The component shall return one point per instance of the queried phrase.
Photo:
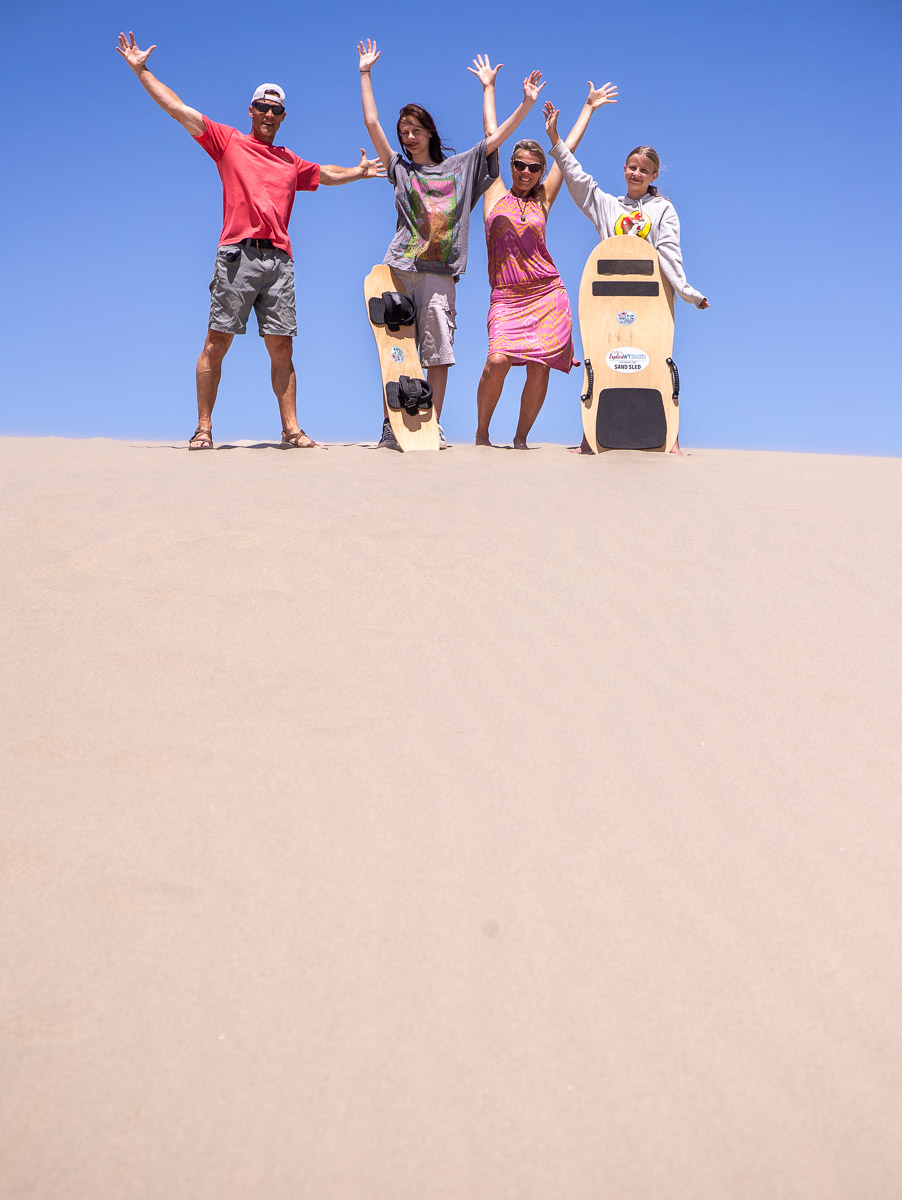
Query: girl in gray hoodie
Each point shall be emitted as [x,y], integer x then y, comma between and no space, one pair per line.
[642,212]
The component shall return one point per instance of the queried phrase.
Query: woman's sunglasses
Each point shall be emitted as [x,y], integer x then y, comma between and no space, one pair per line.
[532,168]
[275,109]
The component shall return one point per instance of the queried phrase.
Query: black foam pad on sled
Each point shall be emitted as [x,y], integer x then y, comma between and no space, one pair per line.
[631,419]
[625,266]
[626,287]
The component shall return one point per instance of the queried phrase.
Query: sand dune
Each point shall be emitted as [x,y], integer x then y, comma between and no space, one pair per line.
[471,825]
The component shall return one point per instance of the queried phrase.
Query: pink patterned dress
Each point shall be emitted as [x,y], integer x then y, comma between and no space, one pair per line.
[529,317]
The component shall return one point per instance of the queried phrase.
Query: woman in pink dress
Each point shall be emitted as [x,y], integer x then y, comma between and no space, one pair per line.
[529,321]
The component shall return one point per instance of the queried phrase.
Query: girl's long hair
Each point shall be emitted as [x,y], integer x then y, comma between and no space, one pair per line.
[537,192]
[651,153]
[438,151]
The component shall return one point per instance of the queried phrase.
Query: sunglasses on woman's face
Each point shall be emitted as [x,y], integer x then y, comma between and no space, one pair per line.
[275,109]
[532,168]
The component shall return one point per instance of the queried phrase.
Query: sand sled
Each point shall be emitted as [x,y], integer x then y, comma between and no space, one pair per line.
[631,389]
[407,395]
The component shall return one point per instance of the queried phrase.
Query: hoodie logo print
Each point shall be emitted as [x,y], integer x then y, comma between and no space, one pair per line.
[637,224]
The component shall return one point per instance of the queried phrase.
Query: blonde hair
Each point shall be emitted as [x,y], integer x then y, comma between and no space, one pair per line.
[652,155]
[537,192]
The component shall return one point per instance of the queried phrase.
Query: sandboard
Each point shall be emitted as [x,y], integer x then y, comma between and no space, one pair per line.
[398,358]
[631,389]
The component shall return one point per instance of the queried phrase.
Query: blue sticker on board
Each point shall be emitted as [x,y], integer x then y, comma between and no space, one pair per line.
[625,317]
[397,354]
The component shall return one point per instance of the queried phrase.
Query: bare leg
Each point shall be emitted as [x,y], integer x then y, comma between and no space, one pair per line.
[531,401]
[437,377]
[285,386]
[488,394]
[284,380]
[209,372]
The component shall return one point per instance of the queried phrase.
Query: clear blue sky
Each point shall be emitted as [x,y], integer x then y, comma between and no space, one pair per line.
[777,123]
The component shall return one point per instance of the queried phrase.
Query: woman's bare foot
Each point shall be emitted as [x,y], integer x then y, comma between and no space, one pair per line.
[676,449]
[483,440]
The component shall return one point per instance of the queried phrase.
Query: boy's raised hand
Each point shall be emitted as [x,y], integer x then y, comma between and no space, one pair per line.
[483,70]
[368,54]
[532,87]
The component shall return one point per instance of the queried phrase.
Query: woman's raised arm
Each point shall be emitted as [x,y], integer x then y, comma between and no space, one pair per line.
[368,55]
[531,89]
[606,94]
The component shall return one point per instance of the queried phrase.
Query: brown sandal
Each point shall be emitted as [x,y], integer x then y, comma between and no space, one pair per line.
[294,439]
[201,439]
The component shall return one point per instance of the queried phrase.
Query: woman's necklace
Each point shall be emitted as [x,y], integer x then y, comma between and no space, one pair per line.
[521,204]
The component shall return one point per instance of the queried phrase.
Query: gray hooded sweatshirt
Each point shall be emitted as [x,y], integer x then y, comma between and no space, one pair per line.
[606,212]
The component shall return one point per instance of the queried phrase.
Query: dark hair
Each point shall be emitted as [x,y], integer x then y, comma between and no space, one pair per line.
[651,153]
[537,191]
[438,151]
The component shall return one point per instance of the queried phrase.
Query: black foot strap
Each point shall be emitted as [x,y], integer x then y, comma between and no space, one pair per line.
[392,309]
[414,395]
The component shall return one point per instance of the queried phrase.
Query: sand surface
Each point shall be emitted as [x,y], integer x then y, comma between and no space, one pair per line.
[474,826]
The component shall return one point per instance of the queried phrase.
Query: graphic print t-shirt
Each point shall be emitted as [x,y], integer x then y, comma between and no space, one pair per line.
[259,182]
[434,205]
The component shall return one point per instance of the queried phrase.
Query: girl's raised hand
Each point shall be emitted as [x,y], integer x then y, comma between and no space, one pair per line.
[551,116]
[606,94]
[483,70]
[532,87]
[368,54]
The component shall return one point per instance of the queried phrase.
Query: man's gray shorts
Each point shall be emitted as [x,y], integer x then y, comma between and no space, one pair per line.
[259,278]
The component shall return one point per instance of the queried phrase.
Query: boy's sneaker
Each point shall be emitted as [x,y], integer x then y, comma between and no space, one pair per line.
[388,438]
[443,441]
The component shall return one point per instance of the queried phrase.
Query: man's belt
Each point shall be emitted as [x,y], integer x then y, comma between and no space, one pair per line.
[256,243]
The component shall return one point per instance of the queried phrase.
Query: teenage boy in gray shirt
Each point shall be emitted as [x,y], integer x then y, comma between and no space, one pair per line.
[434,194]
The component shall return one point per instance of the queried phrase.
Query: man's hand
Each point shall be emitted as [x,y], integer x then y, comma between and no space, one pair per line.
[371,168]
[484,71]
[135,57]
[606,94]
[368,168]
[368,55]
[532,87]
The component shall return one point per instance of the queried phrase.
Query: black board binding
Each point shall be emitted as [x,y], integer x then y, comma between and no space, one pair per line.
[413,395]
[393,310]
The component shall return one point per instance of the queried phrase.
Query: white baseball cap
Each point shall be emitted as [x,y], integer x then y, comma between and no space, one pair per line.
[270,93]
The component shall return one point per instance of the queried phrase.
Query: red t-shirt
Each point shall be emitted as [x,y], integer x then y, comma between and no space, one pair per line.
[258,184]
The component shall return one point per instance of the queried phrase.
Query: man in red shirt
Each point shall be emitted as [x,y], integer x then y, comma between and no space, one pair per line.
[254,265]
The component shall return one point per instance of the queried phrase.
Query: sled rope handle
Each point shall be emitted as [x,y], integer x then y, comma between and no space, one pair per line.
[675,376]
[590,382]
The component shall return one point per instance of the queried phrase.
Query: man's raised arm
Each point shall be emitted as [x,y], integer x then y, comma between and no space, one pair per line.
[159,92]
